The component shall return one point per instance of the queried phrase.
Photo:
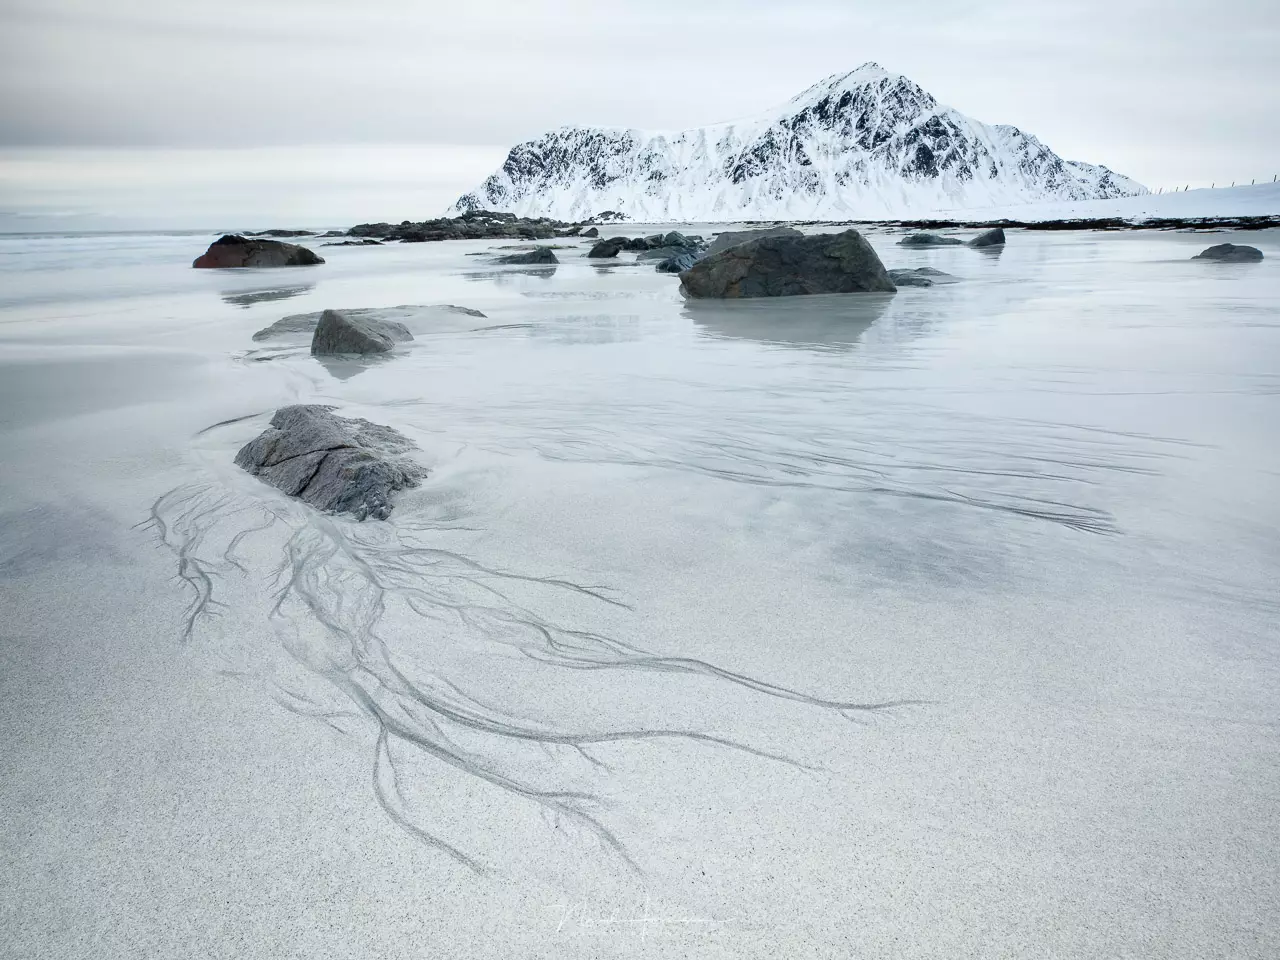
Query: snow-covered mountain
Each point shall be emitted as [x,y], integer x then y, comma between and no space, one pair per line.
[866,144]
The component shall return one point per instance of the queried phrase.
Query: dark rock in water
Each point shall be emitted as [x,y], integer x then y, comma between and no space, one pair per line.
[929,240]
[679,263]
[354,243]
[732,238]
[639,243]
[920,277]
[280,233]
[591,232]
[992,238]
[237,251]
[535,256]
[666,253]
[335,464]
[333,233]
[789,266]
[607,248]
[339,333]
[1230,253]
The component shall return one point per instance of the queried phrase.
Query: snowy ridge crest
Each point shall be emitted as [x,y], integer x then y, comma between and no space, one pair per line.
[864,144]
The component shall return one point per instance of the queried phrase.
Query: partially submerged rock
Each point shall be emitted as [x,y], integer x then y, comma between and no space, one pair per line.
[606,249]
[1230,253]
[344,333]
[538,255]
[929,240]
[789,266]
[732,238]
[233,250]
[354,243]
[920,277]
[335,464]
[992,238]
[415,318]
[591,232]
[679,263]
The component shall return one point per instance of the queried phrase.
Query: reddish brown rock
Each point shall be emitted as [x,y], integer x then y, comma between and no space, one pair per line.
[236,251]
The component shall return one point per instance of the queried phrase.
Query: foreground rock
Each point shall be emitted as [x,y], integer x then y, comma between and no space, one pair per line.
[340,333]
[920,277]
[789,266]
[992,238]
[233,250]
[734,237]
[1230,253]
[538,255]
[335,464]
[929,240]
[415,318]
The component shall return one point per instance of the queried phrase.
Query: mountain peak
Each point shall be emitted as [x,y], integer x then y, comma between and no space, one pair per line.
[868,143]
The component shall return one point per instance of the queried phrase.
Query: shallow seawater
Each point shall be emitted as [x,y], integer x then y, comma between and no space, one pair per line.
[889,625]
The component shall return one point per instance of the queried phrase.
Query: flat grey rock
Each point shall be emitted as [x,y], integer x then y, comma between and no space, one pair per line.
[732,238]
[1230,253]
[789,266]
[929,240]
[347,333]
[335,464]
[920,277]
[417,319]
[992,238]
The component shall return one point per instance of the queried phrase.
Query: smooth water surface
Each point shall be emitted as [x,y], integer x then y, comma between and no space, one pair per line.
[939,623]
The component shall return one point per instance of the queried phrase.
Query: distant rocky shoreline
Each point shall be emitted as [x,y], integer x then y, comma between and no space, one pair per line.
[494,225]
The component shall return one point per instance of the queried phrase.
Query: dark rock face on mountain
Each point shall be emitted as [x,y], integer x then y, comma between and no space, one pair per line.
[470,225]
[538,255]
[336,464]
[920,277]
[868,140]
[1230,253]
[731,238]
[992,238]
[789,266]
[340,333]
[233,250]
[929,240]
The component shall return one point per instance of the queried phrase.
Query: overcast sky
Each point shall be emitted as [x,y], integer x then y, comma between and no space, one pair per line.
[1163,90]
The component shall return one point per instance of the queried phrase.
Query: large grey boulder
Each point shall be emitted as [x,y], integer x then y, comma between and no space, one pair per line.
[1230,253]
[992,238]
[732,238]
[929,240]
[344,333]
[920,277]
[789,266]
[537,255]
[235,251]
[335,464]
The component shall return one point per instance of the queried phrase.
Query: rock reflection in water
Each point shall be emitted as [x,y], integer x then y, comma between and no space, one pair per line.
[833,321]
